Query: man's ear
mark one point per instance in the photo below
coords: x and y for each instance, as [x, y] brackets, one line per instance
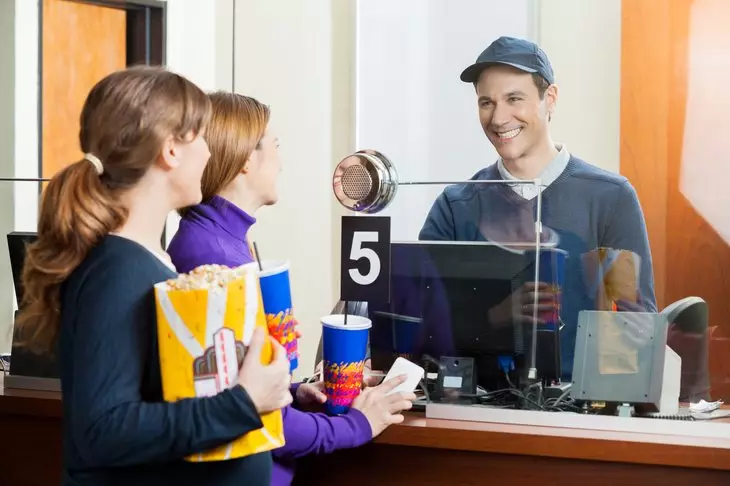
[168, 157]
[551, 99]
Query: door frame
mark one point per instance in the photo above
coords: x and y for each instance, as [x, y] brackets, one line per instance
[146, 44]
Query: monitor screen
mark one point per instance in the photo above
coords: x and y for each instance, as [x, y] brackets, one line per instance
[23, 362]
[460, 299]
[17, 243]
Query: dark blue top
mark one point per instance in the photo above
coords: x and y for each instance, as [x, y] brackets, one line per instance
[585, 207]
[117, 428]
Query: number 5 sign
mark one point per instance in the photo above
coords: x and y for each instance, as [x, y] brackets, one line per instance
[365, 259]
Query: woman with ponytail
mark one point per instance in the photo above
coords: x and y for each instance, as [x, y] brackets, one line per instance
[89, 295]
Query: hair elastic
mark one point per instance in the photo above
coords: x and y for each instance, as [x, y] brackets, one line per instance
[95, 162]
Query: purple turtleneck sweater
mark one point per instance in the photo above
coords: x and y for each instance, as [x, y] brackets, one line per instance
[215, 232]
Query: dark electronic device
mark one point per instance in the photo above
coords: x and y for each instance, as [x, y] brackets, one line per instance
[449, 288]
[27, 369]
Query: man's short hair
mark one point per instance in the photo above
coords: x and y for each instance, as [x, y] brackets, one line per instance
[540, 83]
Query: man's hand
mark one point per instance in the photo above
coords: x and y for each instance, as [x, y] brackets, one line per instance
[518, 307]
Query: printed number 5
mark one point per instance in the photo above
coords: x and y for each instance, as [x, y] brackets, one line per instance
[357, 252]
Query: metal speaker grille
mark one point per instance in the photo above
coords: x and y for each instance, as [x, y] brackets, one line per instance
[356, 182]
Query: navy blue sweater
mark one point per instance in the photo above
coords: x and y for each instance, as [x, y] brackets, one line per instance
[586, 207]
[117, 428]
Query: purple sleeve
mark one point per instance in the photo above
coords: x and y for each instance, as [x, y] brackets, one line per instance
[293, 390]
[316, 433]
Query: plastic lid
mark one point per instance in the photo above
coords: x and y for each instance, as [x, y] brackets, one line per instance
[272, 267]
[354, 323]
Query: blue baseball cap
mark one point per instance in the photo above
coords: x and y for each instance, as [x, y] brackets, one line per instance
[518, 53]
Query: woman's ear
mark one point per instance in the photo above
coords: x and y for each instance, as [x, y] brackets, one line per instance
[168, 157]
[249, 161]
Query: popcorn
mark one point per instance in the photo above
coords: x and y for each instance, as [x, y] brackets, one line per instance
[205, 321]
[206, 277]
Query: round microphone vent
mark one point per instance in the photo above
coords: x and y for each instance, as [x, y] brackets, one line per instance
[356, 182]
[365, 182]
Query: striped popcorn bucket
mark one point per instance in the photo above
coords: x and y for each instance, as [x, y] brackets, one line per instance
[205, 321]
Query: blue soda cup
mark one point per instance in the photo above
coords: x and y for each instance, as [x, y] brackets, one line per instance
[276, 295]
[552, 272]
[344, 347]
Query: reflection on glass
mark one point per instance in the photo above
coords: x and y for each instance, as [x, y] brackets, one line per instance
[18, 212]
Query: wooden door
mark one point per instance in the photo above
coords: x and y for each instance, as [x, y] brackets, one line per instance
[82, 43]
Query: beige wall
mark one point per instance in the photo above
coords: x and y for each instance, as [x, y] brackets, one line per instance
[583, 40]
[18, 138]
[7, 144]
[297, 58]
[205, 58]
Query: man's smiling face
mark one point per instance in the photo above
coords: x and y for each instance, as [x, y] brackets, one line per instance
[512, 111]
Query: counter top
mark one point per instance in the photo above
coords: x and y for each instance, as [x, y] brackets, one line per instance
[599, 445]
[665, 448]
[29, 402]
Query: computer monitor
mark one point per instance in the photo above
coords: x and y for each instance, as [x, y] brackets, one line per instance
[27, 369]
[441, 297]
[17, 243]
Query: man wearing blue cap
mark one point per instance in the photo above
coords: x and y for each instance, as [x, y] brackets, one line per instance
[583, 206]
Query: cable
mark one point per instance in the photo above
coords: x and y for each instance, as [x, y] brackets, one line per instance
[556, 401]
[529, 398]
[424, 388]
[564, 404]
[509, 381]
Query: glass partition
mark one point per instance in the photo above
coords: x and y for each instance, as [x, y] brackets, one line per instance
[474, 289]
[468, 280]
[639, 101]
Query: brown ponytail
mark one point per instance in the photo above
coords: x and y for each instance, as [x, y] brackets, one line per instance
[124, 122]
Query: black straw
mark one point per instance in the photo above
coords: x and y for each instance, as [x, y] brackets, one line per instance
[347, 304]
[256, 254]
